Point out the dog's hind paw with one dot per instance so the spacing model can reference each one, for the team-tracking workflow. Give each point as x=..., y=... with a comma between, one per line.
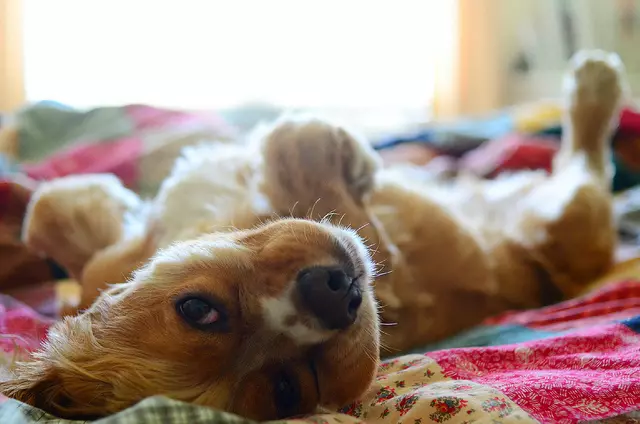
x=594, y=86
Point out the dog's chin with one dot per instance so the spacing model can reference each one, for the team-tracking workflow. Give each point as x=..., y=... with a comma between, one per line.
x=345, y=366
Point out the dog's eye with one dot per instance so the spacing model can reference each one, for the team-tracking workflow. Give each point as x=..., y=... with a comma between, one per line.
x=200, y=313
x=287, y=394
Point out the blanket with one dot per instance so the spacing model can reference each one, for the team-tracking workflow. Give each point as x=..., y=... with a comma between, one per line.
x=573, y=362
x=138, y=144
x=578, y=361
x=520, y=138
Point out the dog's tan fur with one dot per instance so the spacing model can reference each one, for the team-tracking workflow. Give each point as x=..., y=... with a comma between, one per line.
x=448, y=257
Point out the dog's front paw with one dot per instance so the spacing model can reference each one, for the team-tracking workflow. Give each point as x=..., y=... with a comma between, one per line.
x=309, y=161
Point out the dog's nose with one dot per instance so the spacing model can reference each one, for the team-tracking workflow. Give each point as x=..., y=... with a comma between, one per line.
x=331, y=295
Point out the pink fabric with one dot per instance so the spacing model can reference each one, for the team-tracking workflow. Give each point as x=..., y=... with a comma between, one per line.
x=147, y=117
x=119, y=157
x=590, y=374
x=21, y=328
x=154, y=132
x=513, y=152
x=40, y=297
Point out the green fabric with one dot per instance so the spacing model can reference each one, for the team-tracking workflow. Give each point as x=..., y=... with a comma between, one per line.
x=46, y=127
x=153, y=410
x=624, y=177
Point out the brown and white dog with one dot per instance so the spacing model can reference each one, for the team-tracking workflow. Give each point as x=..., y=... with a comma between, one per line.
x=246, y=285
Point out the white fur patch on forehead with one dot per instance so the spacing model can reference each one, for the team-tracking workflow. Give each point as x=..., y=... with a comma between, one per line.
x=278, y=311
x=182, y=256
x=221, y=249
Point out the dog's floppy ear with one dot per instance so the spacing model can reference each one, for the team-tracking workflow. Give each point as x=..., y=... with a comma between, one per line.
x=66, y=377
x=72, y=218
x=63, y=392
x=38, y=386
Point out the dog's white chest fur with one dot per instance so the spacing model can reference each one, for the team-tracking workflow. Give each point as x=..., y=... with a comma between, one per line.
x=208, y=184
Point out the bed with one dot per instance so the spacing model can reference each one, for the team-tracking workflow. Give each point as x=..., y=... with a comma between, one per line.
x=577, y=361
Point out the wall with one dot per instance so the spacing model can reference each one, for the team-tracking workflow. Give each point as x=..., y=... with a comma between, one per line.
x=535, y=27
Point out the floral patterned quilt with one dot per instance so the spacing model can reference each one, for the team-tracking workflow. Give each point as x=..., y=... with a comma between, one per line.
x=578, y=361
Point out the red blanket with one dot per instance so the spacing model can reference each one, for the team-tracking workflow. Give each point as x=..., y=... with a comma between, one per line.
x=576, y=361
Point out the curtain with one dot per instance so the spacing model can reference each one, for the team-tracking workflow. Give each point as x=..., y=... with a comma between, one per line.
x=11, y=61
x=471, y=63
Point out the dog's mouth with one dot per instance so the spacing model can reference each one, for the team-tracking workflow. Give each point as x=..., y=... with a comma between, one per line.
x=337, y=364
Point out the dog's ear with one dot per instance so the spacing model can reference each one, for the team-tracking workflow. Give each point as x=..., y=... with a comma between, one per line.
x=63, y=393
x=72, y=218
x=66, y=376
x=37, y=385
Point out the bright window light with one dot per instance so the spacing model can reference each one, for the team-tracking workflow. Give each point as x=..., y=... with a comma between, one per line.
x=204, y=54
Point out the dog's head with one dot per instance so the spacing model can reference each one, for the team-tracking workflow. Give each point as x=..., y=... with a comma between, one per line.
x=267, y=323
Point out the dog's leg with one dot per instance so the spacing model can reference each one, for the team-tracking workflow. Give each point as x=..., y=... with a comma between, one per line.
x=566, y=222
x=318, y=171
x=70, y=219
x=77, y=220
x=312, y=169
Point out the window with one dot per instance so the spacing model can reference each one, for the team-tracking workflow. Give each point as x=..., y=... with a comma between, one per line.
x=204, y=54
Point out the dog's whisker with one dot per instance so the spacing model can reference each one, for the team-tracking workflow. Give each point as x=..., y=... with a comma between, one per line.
x=327, y=218
x=312, y=210
x=293, y=208
x=362, y=227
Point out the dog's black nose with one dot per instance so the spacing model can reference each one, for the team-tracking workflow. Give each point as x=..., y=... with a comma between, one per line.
x=331, y=295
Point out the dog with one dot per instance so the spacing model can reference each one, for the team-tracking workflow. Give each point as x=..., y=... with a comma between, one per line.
x=247, y=284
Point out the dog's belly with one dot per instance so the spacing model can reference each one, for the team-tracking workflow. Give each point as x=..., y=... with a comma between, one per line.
x=462, y=267
x=440, y=252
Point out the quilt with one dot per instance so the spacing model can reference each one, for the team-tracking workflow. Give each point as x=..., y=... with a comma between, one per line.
x=520, y=138
x=139, y=144
x=577, y=361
